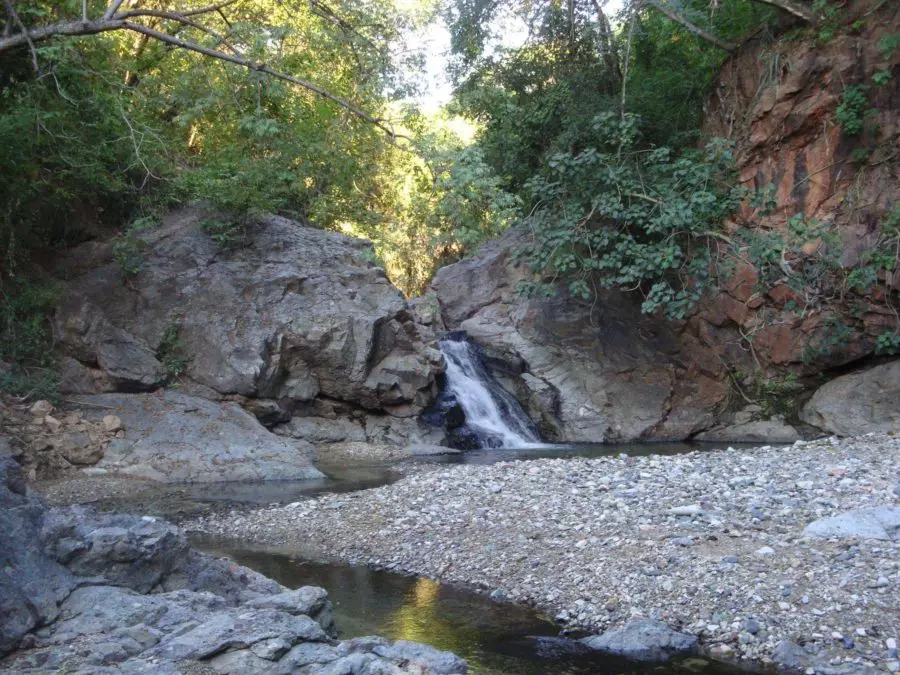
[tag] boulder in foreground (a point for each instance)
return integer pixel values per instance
(83, 592)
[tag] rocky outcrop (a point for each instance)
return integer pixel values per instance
(289, 315)
(858, 403)
(171, 437)
(90, 593)
(593, 371)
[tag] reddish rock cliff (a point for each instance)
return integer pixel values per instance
(779, 100)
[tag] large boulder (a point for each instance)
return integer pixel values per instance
(172, 437)
(31, 584)
(858, 403)
(595, 372)
(290, 313)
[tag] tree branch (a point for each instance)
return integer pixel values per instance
(791, 7)
(263, 68)
(180, 18)
(112, 9)
(11, 11)
(692, 28)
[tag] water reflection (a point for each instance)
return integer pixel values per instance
(494, 638)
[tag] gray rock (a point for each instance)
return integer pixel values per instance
(237, 629)
(171, 437)
(308, 600)
(881, 522)
(858, 403)
(31, 584)
(294, 313)
(758, 431)
(429, 659)
(791, 656)
(311, 653)
(643, 640)
(75, 378)
(125, 550)
(83, 331)
(321, 430)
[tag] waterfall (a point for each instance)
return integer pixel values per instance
(491, 413)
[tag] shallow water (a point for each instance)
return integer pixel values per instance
(494, 638)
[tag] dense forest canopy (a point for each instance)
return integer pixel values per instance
(588, 131)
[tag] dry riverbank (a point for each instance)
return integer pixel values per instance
(712, 543)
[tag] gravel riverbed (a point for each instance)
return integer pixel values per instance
(709, 542)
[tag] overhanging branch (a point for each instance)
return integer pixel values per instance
(692, 28)
(114, 21)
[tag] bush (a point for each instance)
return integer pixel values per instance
(615, 216)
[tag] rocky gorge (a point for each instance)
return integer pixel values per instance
(287, 354)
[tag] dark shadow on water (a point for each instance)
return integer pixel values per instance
(494, 638)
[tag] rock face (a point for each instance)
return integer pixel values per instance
(172, 437)
(92, 593)
(643, 641)
(858, 403)
(778, 102)
(596, 372)
(289, 315)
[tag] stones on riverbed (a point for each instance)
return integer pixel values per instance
(881, 522)
(643, 640)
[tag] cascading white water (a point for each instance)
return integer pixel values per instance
(491, 412)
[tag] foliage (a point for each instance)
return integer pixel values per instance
(128, 248)
(777, 397)
(852, 111)
(612, 216)
(26, 340)
(888, 343)
(171, 352)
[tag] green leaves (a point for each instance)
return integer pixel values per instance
(853, 109)
(614, 216)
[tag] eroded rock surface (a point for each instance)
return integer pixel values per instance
(858, 403)
(644, 640)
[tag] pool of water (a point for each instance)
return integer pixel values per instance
(494, 638)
